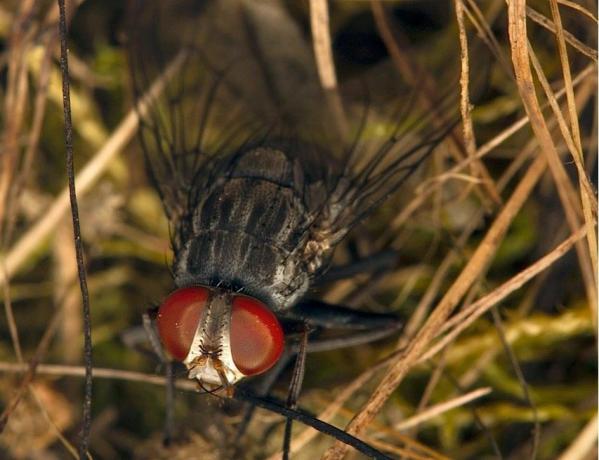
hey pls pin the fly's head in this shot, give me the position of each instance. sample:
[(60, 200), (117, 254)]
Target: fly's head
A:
[(221, 337)]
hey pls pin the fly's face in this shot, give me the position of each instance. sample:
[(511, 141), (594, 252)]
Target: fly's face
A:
[(220, 337)]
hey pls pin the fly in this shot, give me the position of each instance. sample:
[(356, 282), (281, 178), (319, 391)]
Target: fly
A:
[(258, 187)]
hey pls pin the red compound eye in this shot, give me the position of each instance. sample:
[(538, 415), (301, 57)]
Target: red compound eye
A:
[(256, 336), (178, 319)]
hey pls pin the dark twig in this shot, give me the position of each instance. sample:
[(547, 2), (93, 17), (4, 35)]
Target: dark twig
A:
[(309, 420), (68, 134)]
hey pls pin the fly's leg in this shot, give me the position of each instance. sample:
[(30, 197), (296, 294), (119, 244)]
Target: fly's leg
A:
[(366, 327), (263, 389), (376, 263), (269, 380), (148, 319), (329, 316), (351, 340), (169, 418), (169, 396), (294, 388)]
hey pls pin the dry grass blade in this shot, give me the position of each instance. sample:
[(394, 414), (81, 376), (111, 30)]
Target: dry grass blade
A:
[(13, 172), (37, 234), (587, 195), (321, 39), (14, 102), (465, 318), (323, 55), (520, 57), (426, 189), (568, 37), (61, 370), (418, 78), (465, 106), (71, 449), (441, 408), (471, 272), (579, 8), (585, 445)]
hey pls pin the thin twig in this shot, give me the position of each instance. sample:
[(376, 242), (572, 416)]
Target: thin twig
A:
[(188, 385), (87, 328)]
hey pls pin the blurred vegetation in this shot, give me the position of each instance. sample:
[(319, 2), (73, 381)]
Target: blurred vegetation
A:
[(547, 324)]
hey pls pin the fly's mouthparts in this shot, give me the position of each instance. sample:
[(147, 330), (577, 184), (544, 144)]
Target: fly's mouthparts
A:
[(212, 372)]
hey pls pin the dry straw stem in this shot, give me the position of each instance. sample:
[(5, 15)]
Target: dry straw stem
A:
[(15, 106), (397, 451), (20, 176), (321, 40), (37, 234), (573, 142), (465, 106), (585, 443), (475, 267), (587, 195), (72, 450), (426, 189), (448, 303), (327, 415), (7, 225), (483, 28), (416, 76), (438, 409), (393, 438), (31, 369), (323, 55), (420, 312), (58, 370), (520, 57), (468, 315), (412, 448), (579, 8), (567, 36)]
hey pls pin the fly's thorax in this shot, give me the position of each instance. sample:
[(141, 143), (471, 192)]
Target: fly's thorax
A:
[(252, 228)]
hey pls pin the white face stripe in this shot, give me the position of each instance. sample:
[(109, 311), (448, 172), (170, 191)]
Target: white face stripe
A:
[(211, 345)]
